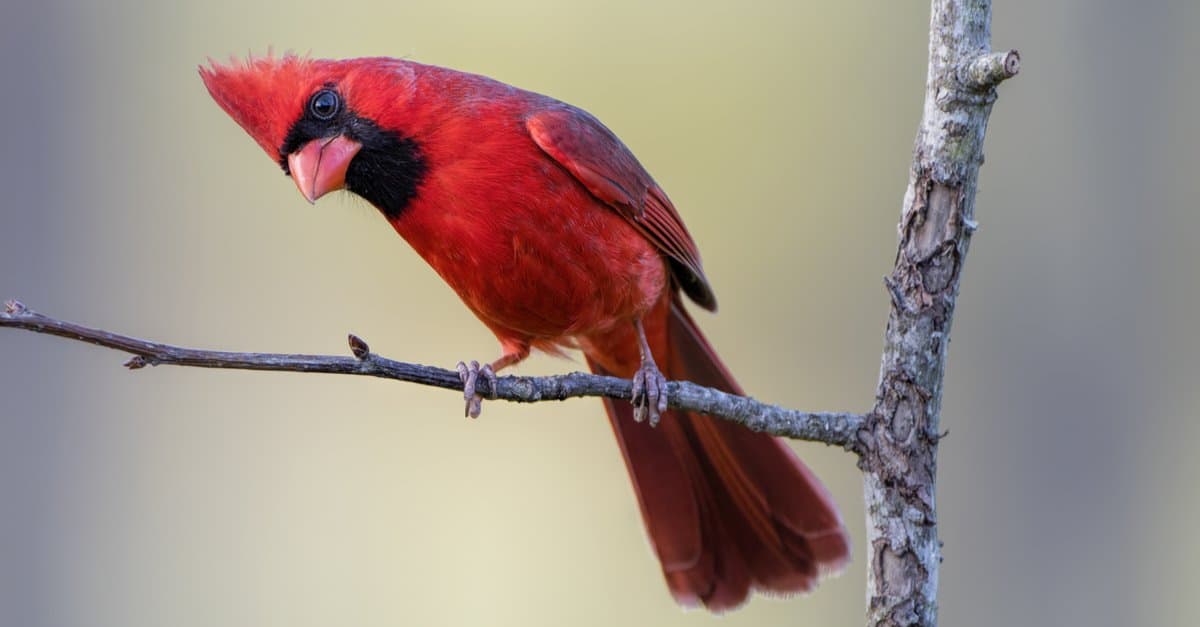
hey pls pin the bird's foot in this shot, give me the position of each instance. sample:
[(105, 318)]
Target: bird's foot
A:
[(649, 393), (469, 374)]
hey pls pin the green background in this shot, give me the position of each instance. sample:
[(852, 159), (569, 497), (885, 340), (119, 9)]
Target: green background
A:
[(782, 130)]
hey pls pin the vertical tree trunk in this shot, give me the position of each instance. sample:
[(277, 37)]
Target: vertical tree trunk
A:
[(898, 442)]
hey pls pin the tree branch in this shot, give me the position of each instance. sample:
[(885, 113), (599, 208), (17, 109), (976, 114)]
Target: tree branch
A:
[(833, 428), (900, 436)]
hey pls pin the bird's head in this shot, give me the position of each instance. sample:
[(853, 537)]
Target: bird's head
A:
[(329, 124)]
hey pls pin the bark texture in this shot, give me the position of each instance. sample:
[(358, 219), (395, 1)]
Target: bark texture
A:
[(898, 443)]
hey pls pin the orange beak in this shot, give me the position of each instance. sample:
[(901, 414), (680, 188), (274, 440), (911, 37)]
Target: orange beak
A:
[(319, 167)]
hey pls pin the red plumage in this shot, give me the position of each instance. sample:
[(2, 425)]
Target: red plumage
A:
[(554, 235)]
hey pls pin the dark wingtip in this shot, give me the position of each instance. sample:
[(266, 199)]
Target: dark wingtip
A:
[(695, 286), (705, 297)]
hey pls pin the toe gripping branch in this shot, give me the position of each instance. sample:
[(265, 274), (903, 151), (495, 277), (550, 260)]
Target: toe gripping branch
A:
[(470, 373)]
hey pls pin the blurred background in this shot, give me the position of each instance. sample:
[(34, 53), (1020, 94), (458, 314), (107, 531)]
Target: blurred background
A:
[(782, 130)]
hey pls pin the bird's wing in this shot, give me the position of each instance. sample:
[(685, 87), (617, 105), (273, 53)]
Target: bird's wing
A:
[(598, 160)]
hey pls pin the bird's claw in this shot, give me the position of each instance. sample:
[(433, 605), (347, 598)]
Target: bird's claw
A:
[(469, 374), (649, 393)]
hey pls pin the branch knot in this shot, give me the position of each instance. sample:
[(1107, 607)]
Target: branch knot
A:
[(359, 347)]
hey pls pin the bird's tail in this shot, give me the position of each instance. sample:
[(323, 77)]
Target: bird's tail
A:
[(728, 510)]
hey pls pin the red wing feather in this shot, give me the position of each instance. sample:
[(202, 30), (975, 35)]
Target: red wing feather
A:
[(599, 161)]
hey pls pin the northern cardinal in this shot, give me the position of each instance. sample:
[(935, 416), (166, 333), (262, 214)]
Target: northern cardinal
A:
[(556, 237)]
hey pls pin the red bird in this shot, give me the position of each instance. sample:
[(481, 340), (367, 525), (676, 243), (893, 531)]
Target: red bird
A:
[(556, 237)]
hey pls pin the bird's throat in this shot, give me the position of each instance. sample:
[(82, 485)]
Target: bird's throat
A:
[(387, 172)]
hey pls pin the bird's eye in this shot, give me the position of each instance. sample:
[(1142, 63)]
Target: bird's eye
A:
[(324, 104)]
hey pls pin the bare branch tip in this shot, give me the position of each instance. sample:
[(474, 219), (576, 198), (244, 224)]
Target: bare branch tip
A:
[(989, 70), (14, 307), (359, 347)]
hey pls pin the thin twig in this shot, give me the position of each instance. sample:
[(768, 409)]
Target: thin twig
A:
[(833, 428)]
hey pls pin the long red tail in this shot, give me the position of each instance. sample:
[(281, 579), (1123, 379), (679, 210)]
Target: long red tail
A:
[(728, 510)]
